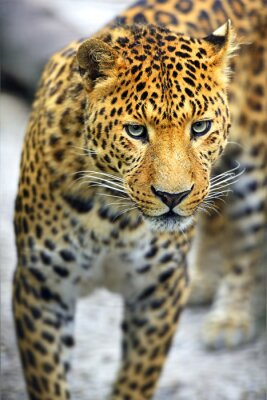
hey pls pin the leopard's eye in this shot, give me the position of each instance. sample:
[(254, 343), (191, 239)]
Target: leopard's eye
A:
[(136, 131), (200, 128)]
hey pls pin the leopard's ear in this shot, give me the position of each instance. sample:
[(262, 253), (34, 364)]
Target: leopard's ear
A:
[(97, 62), (222, 46)]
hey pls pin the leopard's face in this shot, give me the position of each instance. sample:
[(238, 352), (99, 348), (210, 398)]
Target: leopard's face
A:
[(159, 121)]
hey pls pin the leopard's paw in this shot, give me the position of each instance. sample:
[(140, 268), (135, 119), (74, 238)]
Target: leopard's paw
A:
[(227, 329)]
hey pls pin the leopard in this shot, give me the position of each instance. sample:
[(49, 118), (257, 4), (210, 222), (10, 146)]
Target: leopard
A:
[(126, 130)]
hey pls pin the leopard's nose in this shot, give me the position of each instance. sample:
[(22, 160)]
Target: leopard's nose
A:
[(171, 199)]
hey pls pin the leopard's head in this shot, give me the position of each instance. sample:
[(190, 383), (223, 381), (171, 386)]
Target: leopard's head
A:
[(157, 115)]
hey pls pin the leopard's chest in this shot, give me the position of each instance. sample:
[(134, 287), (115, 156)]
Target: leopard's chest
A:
[(101, 254), (123, 266)]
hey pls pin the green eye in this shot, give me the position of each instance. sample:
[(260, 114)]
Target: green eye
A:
[(136, 131), (200, 128)]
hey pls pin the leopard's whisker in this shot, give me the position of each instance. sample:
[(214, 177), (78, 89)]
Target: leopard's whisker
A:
[(230, 171), (231, 179), (84, 148), (218, 198), (112, 195), (221, 193), (119, 203), (212, 208), (225, 179), (215, 187), (125, 211), (102, 185), (100, 179), (215, 210), (105, 180), (236, 144), (99, 173), (107, 174), (204, 209), (85, 151)]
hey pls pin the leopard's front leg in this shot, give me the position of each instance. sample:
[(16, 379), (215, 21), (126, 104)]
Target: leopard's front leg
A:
[(149, 325), (44, 324)]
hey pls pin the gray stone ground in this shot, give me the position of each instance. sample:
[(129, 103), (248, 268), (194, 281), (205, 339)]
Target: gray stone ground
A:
[(191, 373)]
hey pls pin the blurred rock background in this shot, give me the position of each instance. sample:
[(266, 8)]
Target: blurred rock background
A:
[(31, 30)]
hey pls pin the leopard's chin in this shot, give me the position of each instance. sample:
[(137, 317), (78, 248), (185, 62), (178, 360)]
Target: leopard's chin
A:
[(169, 222)]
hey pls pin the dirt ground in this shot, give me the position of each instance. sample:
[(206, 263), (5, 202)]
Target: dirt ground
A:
[(191, 373)]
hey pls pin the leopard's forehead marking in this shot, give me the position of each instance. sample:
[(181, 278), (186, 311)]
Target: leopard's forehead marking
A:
[(162, 73)]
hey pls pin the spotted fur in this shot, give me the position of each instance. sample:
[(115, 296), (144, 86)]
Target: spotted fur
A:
[(97, 206)]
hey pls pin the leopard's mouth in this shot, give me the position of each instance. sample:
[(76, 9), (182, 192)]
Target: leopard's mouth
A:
[(169, 221)]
